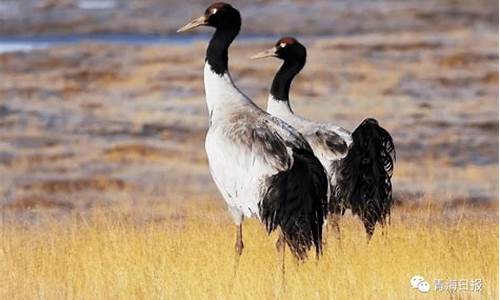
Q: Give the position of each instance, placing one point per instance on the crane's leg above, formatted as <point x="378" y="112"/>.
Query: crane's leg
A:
<point x="281" y="246"/>
<point x="385" y="233"/>
<point x="239" y="249"/>
<point x="239" y="240"/>
<point x="325" y="235"/>
<point x="238" y="220"/>
<point x="280" y="242"/>
<point x="369" y="228"/>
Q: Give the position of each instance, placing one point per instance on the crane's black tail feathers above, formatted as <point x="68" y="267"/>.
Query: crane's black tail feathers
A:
<point x="363" y="178"/>
<point x="296" y="202"/>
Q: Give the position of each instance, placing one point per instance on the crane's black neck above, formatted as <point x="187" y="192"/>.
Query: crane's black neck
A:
<point x="280" y="87"/>
<point x="217" y="51"/>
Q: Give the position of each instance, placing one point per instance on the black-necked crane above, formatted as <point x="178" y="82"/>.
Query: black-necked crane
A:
<point x="263" y="167"/>
<point x="359" y="164"/>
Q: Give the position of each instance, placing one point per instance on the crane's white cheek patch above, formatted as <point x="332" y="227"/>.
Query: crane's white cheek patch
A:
<point x="424" y="287"/>
<point x="415" y="280"/>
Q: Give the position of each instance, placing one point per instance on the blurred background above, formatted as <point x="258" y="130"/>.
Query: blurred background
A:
<point x="101" y="103"/>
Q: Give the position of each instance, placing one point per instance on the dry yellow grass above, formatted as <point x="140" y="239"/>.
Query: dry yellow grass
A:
<point x="187" y="253"/>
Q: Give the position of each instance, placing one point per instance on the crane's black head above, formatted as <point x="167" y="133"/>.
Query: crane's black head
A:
<point x="227" y="22"/>
<point x="219" y="15"/>
<point x="287" y="49"/>
<point x="222" y="15"/>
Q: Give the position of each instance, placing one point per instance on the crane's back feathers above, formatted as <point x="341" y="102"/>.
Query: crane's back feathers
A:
<point x="296" y="201"/>
<point x="363" y="178"/>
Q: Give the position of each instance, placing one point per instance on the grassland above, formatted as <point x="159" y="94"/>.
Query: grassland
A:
<point x="187" y="253"/>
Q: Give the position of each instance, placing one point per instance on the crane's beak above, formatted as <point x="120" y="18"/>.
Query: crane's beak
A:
<point x="193" y="24"/>
<point x="266" y="53"/>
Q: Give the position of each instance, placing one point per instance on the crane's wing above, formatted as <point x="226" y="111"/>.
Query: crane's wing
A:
<point x="295" y="199"/>
<point x="270" y="147"/>
<point x="271" y="141"/>
<point x="329" y="144"/>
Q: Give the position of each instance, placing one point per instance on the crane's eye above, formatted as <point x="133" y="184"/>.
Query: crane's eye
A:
<point x="283" y="45"/>
<point x="213" y="11"/>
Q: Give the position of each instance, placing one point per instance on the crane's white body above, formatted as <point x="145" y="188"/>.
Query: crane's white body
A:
<point x="238" y="163"/>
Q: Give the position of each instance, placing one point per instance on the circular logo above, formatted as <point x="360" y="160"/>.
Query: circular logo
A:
<point x="424" y="287"/>
<point x="415" y="280"/>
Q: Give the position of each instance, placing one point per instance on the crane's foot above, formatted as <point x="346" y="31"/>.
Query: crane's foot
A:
<point x="280" y="243"/>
